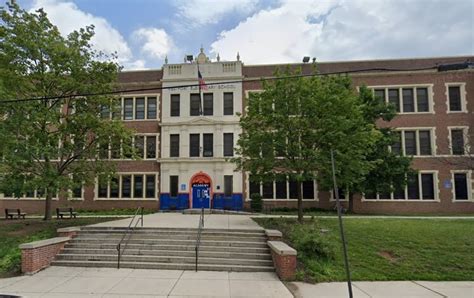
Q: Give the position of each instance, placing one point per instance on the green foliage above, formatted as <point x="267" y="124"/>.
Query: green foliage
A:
<point x="310" y="242"/>
<point x="256" y="202"/>
<point x="53" y="145"/>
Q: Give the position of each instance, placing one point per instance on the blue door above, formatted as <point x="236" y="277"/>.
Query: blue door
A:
<point x="201" y="196"/>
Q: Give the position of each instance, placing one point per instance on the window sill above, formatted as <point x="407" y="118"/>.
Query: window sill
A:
<point x="456" y="112"/>
<point x="125" y="199"/>
<point x="463" y="201"/>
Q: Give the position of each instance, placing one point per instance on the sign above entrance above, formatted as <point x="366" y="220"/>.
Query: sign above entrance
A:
<point x="210" y="87"/>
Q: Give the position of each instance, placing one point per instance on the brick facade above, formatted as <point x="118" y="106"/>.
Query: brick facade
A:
<point x="38" y="255"/>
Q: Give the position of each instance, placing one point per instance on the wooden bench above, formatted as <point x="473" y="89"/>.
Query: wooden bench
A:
<point x="60" y="212"/>
<point x="14" y="213"/>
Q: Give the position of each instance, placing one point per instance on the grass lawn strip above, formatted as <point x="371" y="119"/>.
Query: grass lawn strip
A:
<point x="382" y="249"/>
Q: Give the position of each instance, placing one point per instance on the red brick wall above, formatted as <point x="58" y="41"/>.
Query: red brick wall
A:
<point x="285" y="266"/>
<point x="35" y="259"/>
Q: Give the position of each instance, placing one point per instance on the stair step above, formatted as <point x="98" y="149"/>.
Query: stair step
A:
<point x="100" y="228"/>
<point x="204" y="242"/>
<point x="164" y="259"/>
<point x="82" y="245"/>
<point x="119" y="236"/>
<point x="170" y="266"/>
<point x="187" y="253"/>
<point x="175" y="232"/>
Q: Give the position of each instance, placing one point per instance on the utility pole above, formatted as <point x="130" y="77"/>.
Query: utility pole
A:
<point x="341" y="227"/>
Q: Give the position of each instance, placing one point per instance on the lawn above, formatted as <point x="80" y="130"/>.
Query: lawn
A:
<point x="15" y="232"/>
<point x="381" y="249"/>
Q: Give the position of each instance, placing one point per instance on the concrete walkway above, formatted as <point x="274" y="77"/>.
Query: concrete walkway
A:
<point x="178" y="220"/>
<point x="395" y="289"/>
<point x="76" y="282"/>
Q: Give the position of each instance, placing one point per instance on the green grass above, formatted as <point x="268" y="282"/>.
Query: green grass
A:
<point x="15" y="232"/>
<point x="382" y="249"/>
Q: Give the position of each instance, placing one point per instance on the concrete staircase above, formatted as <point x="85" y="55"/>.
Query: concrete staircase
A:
<point x="168" y="248"/>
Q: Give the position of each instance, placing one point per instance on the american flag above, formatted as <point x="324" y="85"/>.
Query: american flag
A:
<point x="202" y="83"/>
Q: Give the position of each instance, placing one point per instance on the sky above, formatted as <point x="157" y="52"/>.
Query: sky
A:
<point x="145" y="32"/>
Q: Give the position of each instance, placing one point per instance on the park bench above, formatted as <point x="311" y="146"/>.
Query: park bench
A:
<point x="60" y="212"/>
<point x="14" y="213"/>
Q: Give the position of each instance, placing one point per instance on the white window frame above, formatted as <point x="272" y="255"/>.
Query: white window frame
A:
<point x="415" y="96"/>
<point x="315" y="188"/>
<point x="469" y="182"/>
<point x="420" y="191"/>
<point x="417" y="139"/>
<point x="120" y="198"/>
<point x="70" y="196"/>
<point x="134" y="105"/>
<point x="465" y="135"/>
<point x="463" y="93"/>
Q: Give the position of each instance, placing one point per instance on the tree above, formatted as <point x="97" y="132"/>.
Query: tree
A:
<point x="52" y="144"/>
<point x="291" y="127"/>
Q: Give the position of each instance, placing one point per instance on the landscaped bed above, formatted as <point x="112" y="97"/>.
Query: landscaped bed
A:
<point x="381" y="249"/>
<point x="15" y="232"/>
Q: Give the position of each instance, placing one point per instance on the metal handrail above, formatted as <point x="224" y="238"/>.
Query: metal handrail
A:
<point x="129" y="228"/>
<point x="198" y="239"/>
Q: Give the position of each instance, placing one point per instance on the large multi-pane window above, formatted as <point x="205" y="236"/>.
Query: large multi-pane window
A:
<point x="208" y="104"/>
<point x="194" y="144"/>
<point x="138" y="108"/>
<point x="208" y="145"/>
<point x="174" y="145"/>
<point x="228" y="185"/>
<point x="406" y="99"/>
<point x="422" y="186"/>
<point x="282" y="189"/>
<point x="127" y="186"/>
<point x="457" y="141"/>
<point x="228" y="144"/>
<point x="461" y="182"/>
<point x="145" y="147"/>
<point x="174" y="186"/>
<point x="228" y="103"/>
<point x="195" y="105"/>
<point x="417" y="142"/>
<point x="175" y="104"/>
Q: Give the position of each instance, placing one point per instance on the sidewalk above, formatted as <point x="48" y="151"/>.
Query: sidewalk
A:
<point x="365" y="289"/>
<point x="76" y="282"/>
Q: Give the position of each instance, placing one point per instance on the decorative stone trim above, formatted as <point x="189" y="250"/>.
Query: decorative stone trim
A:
<point x="284" y="259"/>
<point x="273" y="235"/>
<point x="39" y="254"/>
<point x="68" y="232"/>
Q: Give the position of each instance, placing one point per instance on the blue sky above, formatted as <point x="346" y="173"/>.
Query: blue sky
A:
<point x="144" y="32"/>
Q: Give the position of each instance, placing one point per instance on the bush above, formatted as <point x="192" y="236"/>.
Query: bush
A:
<point x="309" y="241"/>
<point x="256" y="202"/>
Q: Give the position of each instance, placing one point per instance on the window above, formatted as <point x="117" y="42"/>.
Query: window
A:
<point x="194" y="145"/>
<point x="151" y="147"/>
<point x="394" y="98"/>
<point x="410" y="143"/>
<point x="457" y="141"/>
<point x="115" y="148"/>
<point x="254" y="186"/>
<point x="427" y="187"/>
<point x="425" y="142"/>
<point x="228" y="185"/>
<point x="173" y="186"/>
<point x="137" y="186"/>
<point x="126" y="186"/>
<point x="228" y="103"/>
<point x="140" y="108"/>
<point x="397" y="145"/>
<point x="208" y="104"/>
<point x="102" y="188"/>
<point x="174" y="109"/>
<point x="413" y="188"/>
<point x="308" y="189"/>
<point x="422" y="99"/>
<point x="208" y="144"/>
<point x="416" y="142"/>
<point x="174" y="145"/>
<point x="128" y="109"/>
<point x="150" y="186"/>
<point x="421" y="186"/>
<point x="454" y="93"/>
<point x="140" y="146"/>
<point x="380" y="94"/>
<point x="280" y="189"/>
<point x="267" y="188"/>
<point x="408" y="100"/>
<point x="461" y="186"/>
<point x="228" y="144"/>
<point x="151" y="108"/>
<point x="293" y="186"/>
<point x="195" y="106"/>
<point x="114" y="187"/>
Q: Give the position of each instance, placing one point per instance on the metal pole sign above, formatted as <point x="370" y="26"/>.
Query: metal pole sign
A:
<point x="341" y="228"/>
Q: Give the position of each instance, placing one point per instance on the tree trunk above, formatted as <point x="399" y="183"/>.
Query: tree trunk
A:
<point x="299" y="185"/>
<point x="47" y="206"/>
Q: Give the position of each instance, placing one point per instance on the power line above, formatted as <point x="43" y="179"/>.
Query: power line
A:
<point x="217" y="83"/>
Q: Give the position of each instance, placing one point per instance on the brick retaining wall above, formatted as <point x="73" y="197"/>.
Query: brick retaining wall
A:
<point x="39" y="254"/>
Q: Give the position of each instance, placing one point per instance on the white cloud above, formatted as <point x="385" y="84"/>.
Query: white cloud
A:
<point x="343" y="30"/>
<point x="156" y="42"/>
<point x="202" y="12"/>
<point x="68" y="17"/>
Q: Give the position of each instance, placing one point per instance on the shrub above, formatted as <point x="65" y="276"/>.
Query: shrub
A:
<point x="256" y="202"/>
<point x="309" y="241"/>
